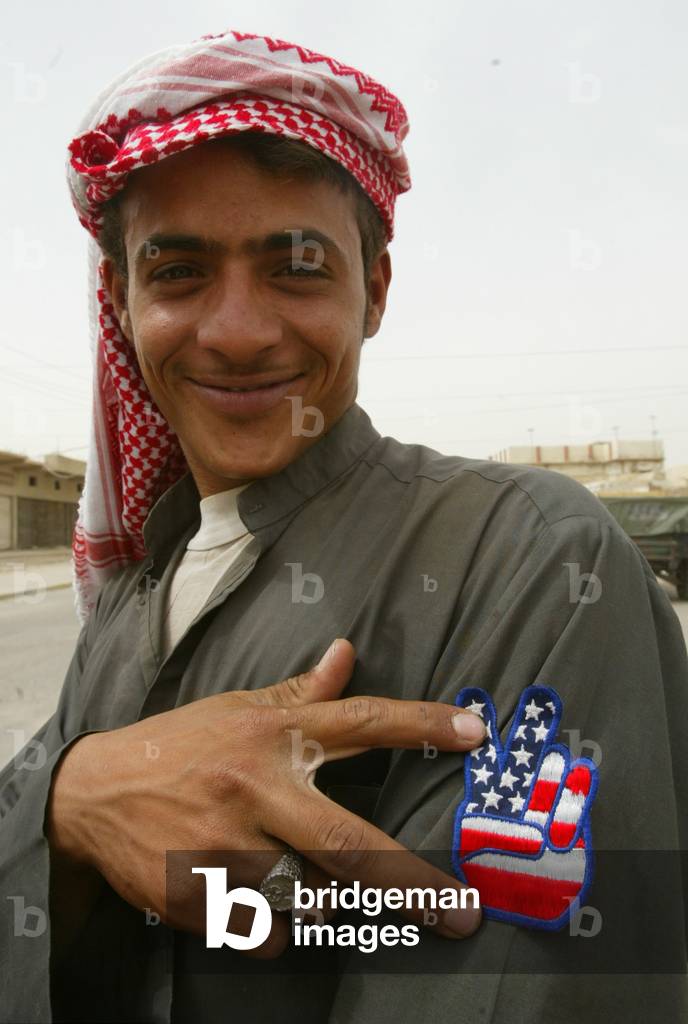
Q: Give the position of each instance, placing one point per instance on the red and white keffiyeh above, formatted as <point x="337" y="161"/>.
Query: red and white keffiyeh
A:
<point x="169" y="101"/>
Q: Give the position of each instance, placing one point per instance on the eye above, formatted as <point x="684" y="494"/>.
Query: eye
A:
<point x="301" y="270"/>
<point x="176" y="272"/>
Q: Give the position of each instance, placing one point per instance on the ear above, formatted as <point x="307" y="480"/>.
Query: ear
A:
<point x="378" y="284"/>
<point x="117" y="287"/>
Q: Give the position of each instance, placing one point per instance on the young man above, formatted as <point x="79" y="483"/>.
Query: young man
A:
<point x="241" y="511"/>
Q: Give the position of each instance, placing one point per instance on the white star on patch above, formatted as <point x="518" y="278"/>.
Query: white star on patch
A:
<point x="491" y="753"/>
<point x="522" y="756"/>
<point x="520" y="733"/>
<point x="540" y="732"/>
<point x="470" y="808"/>
<point x="488" y="729"/>
<point x="476" y="708"/>
<point x="492" y="799"/>
<point x="516" y="802"/>
<point x="508" y="779"/>
<point x="528" y="778"/>
<point x="482" y="774"/>
<point x="533" y="710"/>
<point x="551" y="706"/>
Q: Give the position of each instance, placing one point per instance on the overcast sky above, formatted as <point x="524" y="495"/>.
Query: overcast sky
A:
<point x="539" y="258"/>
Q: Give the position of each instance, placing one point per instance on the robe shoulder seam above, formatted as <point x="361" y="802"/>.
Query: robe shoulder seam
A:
<point x="601" y="515"/>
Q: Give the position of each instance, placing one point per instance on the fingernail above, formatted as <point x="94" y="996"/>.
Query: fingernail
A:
<point x="328" y="654"/>
<point x="469" y="727"/>
<point x="462" y="922"/>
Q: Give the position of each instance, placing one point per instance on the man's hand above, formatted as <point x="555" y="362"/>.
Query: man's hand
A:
<point x="228" y="773"/>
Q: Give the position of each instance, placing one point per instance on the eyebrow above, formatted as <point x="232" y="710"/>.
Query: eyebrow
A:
<point x="276" y="241"/>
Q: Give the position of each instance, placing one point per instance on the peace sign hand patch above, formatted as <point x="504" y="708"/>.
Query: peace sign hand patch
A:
<point x="522" y="833"/>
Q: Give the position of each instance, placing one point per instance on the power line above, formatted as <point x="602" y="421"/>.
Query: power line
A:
<point x="528" y="408"/>
<point x="528" y="352"/>
<point x="526" y="394"/>
<point x="44" y="389"/>
<point x="15" y="377"/>
<point x="55" y="367"/>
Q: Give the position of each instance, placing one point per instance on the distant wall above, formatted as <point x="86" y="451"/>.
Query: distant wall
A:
<point x="44" y="524"/>
<point x="37" y="507"/>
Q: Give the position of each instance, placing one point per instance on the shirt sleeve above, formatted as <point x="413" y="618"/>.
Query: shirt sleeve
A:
<point x="583" y="614"/>
<point x="25" y="857"/>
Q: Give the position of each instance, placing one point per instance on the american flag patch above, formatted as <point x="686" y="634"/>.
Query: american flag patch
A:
<point x="522" y="833"/>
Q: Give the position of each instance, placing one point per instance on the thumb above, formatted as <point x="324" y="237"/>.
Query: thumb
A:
<point x="325" y="681"/>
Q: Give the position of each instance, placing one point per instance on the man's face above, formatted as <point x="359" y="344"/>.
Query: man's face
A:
<point x="221" y="295"/>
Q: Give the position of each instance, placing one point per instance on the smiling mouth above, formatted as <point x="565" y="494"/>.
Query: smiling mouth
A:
<point x="239" y="389"/>
<point x="249" y="399"/>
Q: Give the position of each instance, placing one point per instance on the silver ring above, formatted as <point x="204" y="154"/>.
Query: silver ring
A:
<point x="278" y="885"/>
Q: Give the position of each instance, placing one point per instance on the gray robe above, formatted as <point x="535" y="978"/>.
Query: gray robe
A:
<point x="443" y="572"/>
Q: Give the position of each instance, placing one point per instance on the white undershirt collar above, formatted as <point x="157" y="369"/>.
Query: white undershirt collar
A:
<point x="220" y="520"/>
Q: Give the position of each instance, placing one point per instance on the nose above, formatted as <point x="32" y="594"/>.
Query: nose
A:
<point x="237" y="319"/>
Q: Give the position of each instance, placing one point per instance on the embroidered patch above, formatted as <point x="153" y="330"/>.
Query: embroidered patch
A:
<point x="522" y="833"/>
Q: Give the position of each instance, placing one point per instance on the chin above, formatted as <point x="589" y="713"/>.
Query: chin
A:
<point x="253" y="461"/>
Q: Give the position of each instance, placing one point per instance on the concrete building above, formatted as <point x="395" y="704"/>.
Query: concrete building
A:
<point x="38" y="500"/>
<point x="595" y="464"/>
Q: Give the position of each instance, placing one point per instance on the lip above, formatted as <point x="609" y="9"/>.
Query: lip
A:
<point x="244" y="404"/>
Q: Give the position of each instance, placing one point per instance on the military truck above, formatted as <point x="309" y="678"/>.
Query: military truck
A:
<point x="659" y="527"/>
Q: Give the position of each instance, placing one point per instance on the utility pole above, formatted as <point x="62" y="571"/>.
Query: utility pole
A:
<point x="653" y="421"/>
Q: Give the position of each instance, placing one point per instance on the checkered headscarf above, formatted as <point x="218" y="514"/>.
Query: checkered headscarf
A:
<point x="166" y="103"/>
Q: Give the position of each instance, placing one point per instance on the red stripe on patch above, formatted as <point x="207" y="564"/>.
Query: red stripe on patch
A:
<point x="578" y="780"/>
<point x="562" y="832"/>
<point x="542" y="898"/>
<point x="543" y="796"/>
<point x="472" y="839"/>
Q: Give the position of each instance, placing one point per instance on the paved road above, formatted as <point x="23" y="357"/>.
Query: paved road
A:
<point x="36" y="645"/>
